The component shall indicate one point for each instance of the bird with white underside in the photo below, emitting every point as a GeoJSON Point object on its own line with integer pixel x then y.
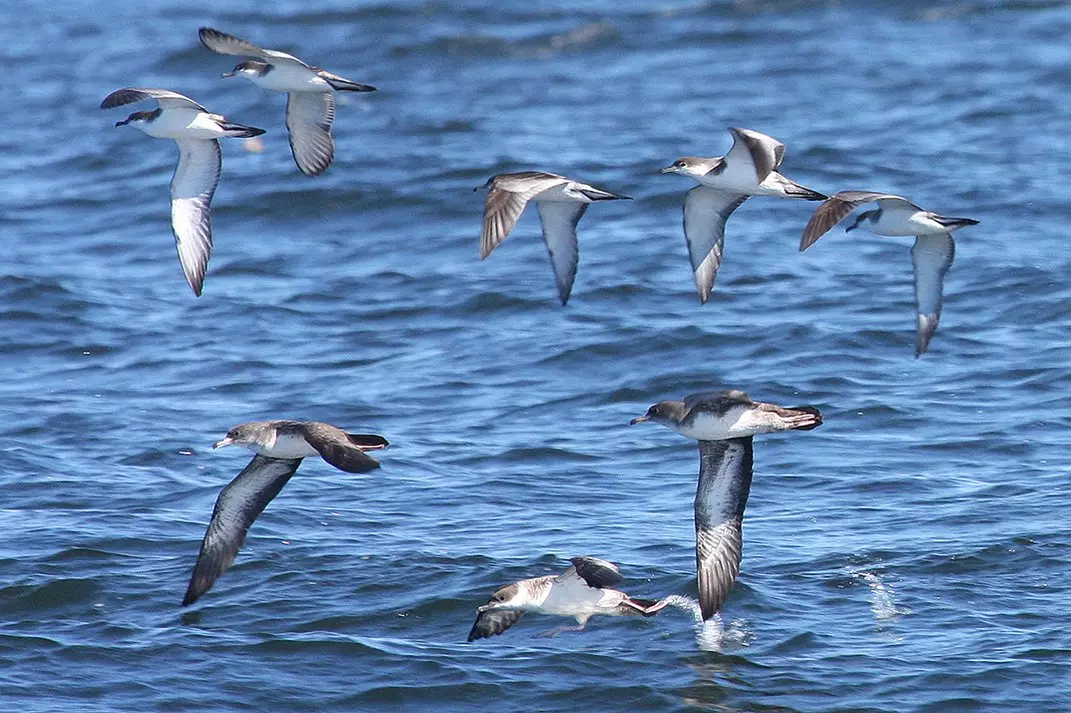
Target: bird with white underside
{"type": "Point", "coordinates": [582, 591]}
{"type": "Point", "coordinates": [562, 203]}
{"type": "Point", "coordinates": [931, 255]}
{"type": "Point", "coordinates": [310, 94]}
{"type": "Point", "coordinates": [724, 423]}
{"type": "Point", "coordinates": [280, 447]}
{"type": "Point", "coordinates": [195, 130]}
{"type": "Point", "coordinates": [725, 182]}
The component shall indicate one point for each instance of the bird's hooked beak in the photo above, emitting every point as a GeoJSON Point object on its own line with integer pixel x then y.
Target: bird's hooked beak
{"type": "Point", "coordinates": [124, 122]}
{"type": "Point", "coordinates": [225, 442]}
{"type": "Point", "coordinates": [226, 74]}
{"type": "Point", "coordinates": [638, 419]}
{"type": "Point", "coordinates": [482, 609]}
{"type": "Point", "coordinates": [851, 227]}
{"type": "Point", "coordinates": [668, 169]}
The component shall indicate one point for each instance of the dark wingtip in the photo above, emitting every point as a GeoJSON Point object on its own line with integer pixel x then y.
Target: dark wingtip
{"type": "Point", "coordinates": [193, 592]}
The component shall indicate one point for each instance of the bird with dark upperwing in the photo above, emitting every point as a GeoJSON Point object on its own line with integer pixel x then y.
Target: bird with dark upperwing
{"type": "Point", "coordinates": [582, 591]}
{"type": "Point", "coordinates": [724, 423]}
{"type": "Point", "coordinates": [195, 130]}
{"type": "Point", "coordinates": [310, 94]}
{"type": "Point", "coordinates": [562, 202]}
{"type": "Point", "coordinates": [280, 447]}
{"type": "Point", "coordinates": [725, 182]}
{"type": "Point", "coordinates": [931, 255]}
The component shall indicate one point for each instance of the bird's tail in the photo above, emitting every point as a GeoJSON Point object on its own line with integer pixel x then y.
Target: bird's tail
{"type": "Point", "coordinates": [803, 193]}
{"type": "Point", "coordinates": [367, 441]}
{"type": "Point", "coordinates": [595, 194]}
{"type": "Point", "coordinates": [801, 418]}
{"type": "Point", "coordinates": [344, 85]}
{"type": "Point", "coordinates": [647, 607]}
{"type": "Point", "coordinates": [240, 131]}
{"type": "Point", "coordinates": [953, 223]}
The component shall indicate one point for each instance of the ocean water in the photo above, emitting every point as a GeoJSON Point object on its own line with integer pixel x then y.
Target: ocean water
{"type": "Point", "coordinates": [913, 554]}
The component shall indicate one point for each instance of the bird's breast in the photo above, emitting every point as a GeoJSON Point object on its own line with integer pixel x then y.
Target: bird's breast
{"type": "Point", "coordinates": [288, 446]}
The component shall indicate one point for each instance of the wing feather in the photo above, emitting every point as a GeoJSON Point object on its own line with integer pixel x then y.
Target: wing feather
{"type": "Point", "coordinates": [931, 255]}
{"type": "Point", "coordinates": [239, 504]}
{"type": "Point", "coordinates": [597, 572]}
{"type": "Point", "coordinates": [509, 194]}
{"type": "Point", "coordinates": [705, 212]}
{"type": "Point", "coordinates": [336, 447]}
{"type": "Point", "coordinates": [836, 209]}
{"type": "Point", "coordinates": [192, 188]}
{"type": "Point", "coordinates": [559, 220]}
{"type": "Point", "coordinates": [725, 469]}
{"type": "Point", "coordinates": [763, 152]}
{"type": "Point", "coordinates": [165, 97]}
{"type": "Point", "coordinates": [309, 116]}
{"type": "Point", "coordinates": [222, 43]}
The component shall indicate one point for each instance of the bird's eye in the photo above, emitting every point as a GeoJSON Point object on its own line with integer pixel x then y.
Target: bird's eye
{"type": "Point", "coordinates": [679, 164]}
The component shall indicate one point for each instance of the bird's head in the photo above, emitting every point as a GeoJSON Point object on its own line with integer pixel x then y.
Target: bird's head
{"type": "Point", "coordinates": [665, 412]}
{"type": "Point", "coordinates": [688, 166]}
{"type": "Point", "coordinates": [502, 598]}
{"type": "Point", "coordinates": [241, 435]}
{"type": "Point", "coordinates": [250, 69]}
{"type": "Point", "coordinates": [140, 118]}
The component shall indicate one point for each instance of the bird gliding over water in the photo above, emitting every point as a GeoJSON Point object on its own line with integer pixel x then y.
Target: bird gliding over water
{"type": "Point", "coordinates": [195, 131]}
{"type": "Point", "coordinates": [724, 423]}
{"type": "Point", "coordinates": [310, 94]}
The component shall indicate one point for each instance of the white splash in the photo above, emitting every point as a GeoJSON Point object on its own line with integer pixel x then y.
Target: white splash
{"type": "Point", "coordinates": [712, 634]}
{"type": "Point", "coordinates": [881, 597]}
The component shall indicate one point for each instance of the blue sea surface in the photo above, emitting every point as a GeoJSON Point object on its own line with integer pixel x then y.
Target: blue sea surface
{"type": "Point", "coordinates": [912, 554]}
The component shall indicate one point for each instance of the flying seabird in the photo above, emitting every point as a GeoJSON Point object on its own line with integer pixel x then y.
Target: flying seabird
{"type": "Point", "coordinates": [195, 130]}
{"type": "Point", "coordinates": [562, 203]}
{"type": "Point", "coordinates": [310, 94]}
{"type": "Point", "coordinates": [931, 255]}
{"type": "Point", "coordinates": [582, 591]}
{"type": "Point", "coordinates": [725, 182]}
{"type": "Point", "coordinates": [724, 423]}
{"type": "Point", "coordinates": [279, 448]}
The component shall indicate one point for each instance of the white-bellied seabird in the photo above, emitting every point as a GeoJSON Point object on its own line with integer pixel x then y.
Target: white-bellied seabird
{"type": "Point", "coordinates": [195, 130]}
{"type": "Point", "coordinates": [310, 94]}
{"type": "Point", "coordinates": [725, 182]}
{"type": "Point", "coordinates": [582, 591]}
{"type": "Point", "coordinates": [279, 446]}
{"type": "Point", "coordinates": [931, 255]}
{"type": "Point", "coordinates": [724, 423]}
{"type": "Point", "coordinates": [562, 202]}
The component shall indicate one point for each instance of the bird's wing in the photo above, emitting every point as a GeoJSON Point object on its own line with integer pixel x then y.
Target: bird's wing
{"type": "Point", "coordinates": [223, 43]}
{"type": "Point", "coordinates": [237, 507]}
{"type": "Point", "coordinates": [559, 220]}
{"type": "Point", "coordinates": [166, 98]}
{"type": "Point", "coordinates": [763, 152]}
{"type": "Point", "coordinates": [335, 446]}
{"type": "Point", "coordinates": [835, 209]}
{"type": "Point", "coordinates": [493, 622]}
{"type": "Point", "coordinates": [505, 202]}
{"type": "Point", "coordinates": [309, 116]}
{"type": "Point", "coordinates": [720, 498]}
{"type": "Point", "coordinates": [705, 212]}
{"type": "Point", "coordinates": [597, 572]}
{"type": "Point", "coordinates": [192, 186]}
{"type": "Point", "coordinates": [932, 255]}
